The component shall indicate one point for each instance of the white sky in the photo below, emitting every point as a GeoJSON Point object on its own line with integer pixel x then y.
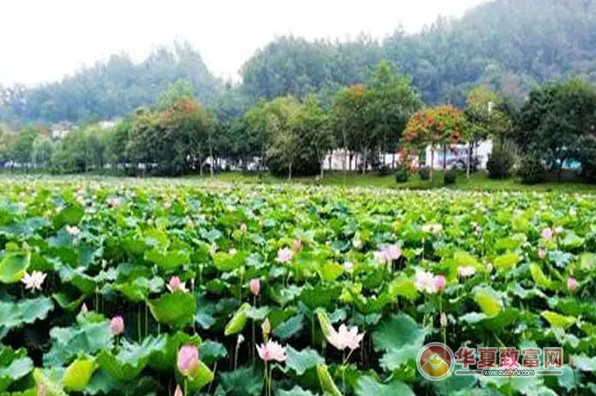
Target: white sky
{"type": "Point", "coordinates": [42, 40]}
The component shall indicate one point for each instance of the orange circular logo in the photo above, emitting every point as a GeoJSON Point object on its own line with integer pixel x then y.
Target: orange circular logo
{"type": "Point", "coordinates": [435, 361]}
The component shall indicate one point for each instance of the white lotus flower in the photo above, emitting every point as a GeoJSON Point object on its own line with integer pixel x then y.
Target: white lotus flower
{"type": "Point", "coordinates": [344, 338]}
{"type": "Point", "coordinates": [34, 280]}
{"type": "Point", "coordinates": [349, 267]}
{"type": "Point", "coordinates": [466, 271]}
{"type": "Point", "coordinates": [432, 228]}
{"type": "Point", "coordinates": [272, 350]}
{"type": "Point", "coordinates": [74, 230]}
{"type": "Point", "coordinates": [425, 282]}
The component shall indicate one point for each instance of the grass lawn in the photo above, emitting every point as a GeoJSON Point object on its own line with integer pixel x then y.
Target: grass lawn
{"type": "Point", "coordinates": [478, 181]}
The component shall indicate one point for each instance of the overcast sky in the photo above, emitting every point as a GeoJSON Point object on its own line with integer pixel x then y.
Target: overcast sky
{"type": "Point", "coordinates": [42, 40]}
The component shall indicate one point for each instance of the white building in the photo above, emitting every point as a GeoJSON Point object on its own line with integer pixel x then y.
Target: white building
{"type": "Point", "coordinates": [459, 156]}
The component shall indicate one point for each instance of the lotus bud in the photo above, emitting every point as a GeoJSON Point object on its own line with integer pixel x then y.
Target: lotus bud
{"type": "Point", "coordinates": [178, 391]}
{"type": "Point", "coordinates": [489, 268]}
{"type": "Point", "coordinates": [571, 284]}
{"type": "Point", "coordinates": [297, 245]}
{"type": "Point", "coordinates": [188, 360]}
{"type": "Point", "coordinates": [440, 283]}
{"type": "Point", "coordinates": [41, 389]}
{"type": "Point", "coordinates": [117, 325]}
{"type": "Point", "coordinates": [443, 319]}
{"type": "Point", "coordinates": [255, 286]}
{"type": "Point", "coordinates": [266, 329]}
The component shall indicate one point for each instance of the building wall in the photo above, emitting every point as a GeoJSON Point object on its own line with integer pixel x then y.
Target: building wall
{"type": "Point", "coordinates": [482, 151]}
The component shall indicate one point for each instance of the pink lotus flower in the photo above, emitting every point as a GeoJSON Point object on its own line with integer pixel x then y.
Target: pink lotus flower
{"type": "Point", "coordinates": [297, 245]}
{"type": "Point", "coordinates": [571, 284]}
{"type": "Point", "coordinates": [272, 350]}
{"type": "Point", "coordinates": [541, 253]}
{"type": "Point", "coordinates": [284, 255]}
{"type": "Point", "coordinates": [428, 283]}
{"type": "Point", "coordinates": [392, 252]}
{"type": "Point", "coordinates": [440, 283]}
{"type": "Point", "coordinates": [547, 233]}
{"type": "Point", "coordinates": [176, 285]}
{"type": "Point", "coordinates": [344, 338]}
{"type": "Point", "coordinates": [188, 360]}
{"type": "Point", "coordinates": [178, 391]}
{"type": "Point", "coordinates": [117, 325]}
{"type": "Point", "coordinates": [255, 286]}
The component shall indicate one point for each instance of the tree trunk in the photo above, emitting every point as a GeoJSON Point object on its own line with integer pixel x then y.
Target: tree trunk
{"type": "Point", "coordinates": [469, 160]}
{"type": "Point", "coordinates": [364, 161]}
{"type": "Point", "coordinates": [322, 167]}
{"type": "Point", "coordinates": [290, 171]}
{"type": "Point", "coordinates": [444, 157]}
{"type": "Point", "coordinates": [212, 161]}
{"type": "Point", "coordinates": [432, 162]}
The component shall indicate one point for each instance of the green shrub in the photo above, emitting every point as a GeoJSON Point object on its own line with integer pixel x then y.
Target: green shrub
{"type": "Point", "coordinates": [449, 177]}
{"type": "Point", "coordinates": [424, 173]}
{"type": "Point", "coordinates": [500, 162]}
{"type": "Point", "coordinates": [401, 175]}
{"type": "Point", "coordinates": [530, 169]}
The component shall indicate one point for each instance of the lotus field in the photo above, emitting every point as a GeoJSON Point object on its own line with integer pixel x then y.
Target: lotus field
{"type": "Point", "coordinates": [155, 287]}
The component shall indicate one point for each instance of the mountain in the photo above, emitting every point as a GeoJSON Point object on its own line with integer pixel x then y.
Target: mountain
{"type": "Point", "coordinates": [510, 45]}
{"type": "Point", "coordinates": [110, 89]}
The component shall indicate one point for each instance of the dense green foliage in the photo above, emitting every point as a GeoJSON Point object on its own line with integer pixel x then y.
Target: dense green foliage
{"type": "Point", "coordinates": [110, 89]}
{"type": "Point", "coordinates": [509, 46]}
{"type": "Point", "coordinates": [531, 169]}
{"type": "Point", "coordinates": [500, 162]}
{"type": "Point", "coordinates": [107, 249]}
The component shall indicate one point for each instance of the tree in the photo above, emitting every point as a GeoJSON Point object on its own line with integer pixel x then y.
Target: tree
{"type": "Point", "coordinates": [24, 145]}
{"type": "Point", "coordinates": [187, 137]}
{"type": "Point", "coordinates": [283, 144]}
{"type": "Point", "coordinates": [556, 120]}
{"type": "Point", "coordinates": [253, 129]}
{"type": "Point", "coordinates": [349, 122]}
{"type": "Point", "coordinates": [488, 115]}
{"type": "Point", "coordinates": [174, 92]}
{"type": "Point", "coordinates": [433, 127]}
{"type": "Point", "coordinates": [311, 127]}
{"type": "Point", "coordinates": [392, 101]}
{"type": "Point", "coordinates": [7, 143]}
{"type": "Point", "coordinates": [41, 152]}
{"type": "Point", "coordinates": [116, 141]}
